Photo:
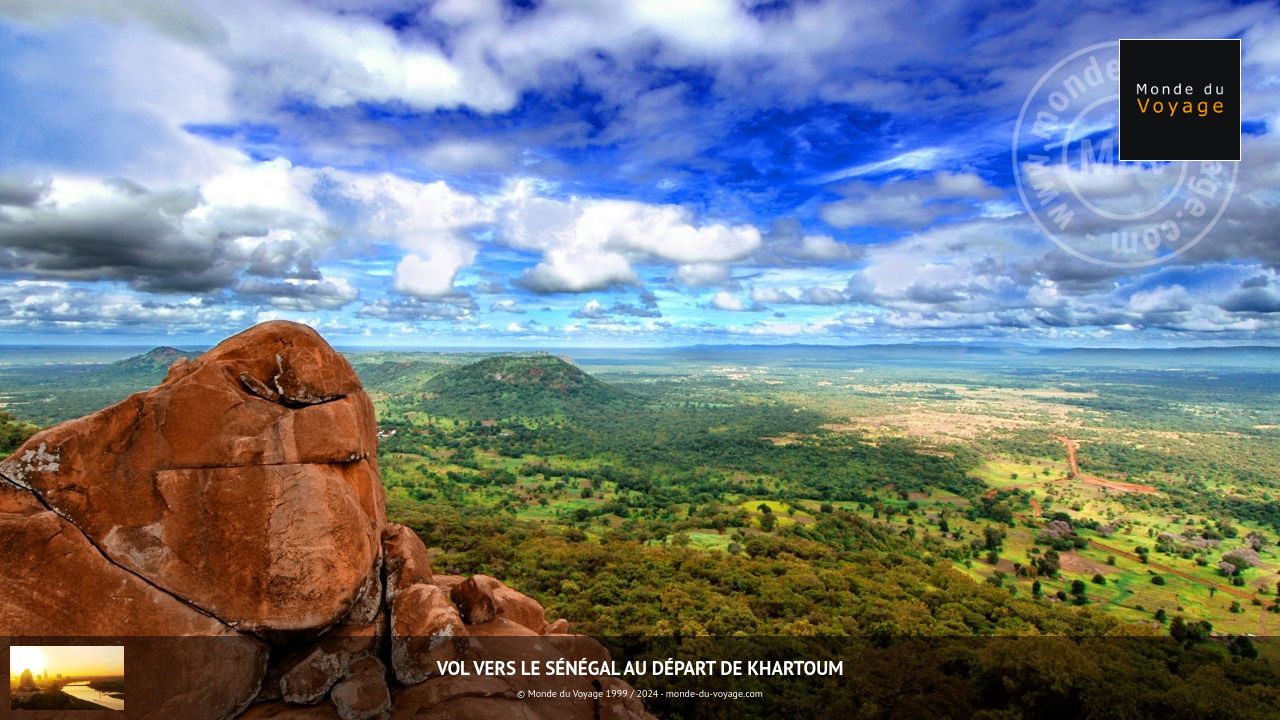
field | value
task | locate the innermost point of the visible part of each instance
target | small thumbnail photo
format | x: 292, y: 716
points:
x: 66, y: 677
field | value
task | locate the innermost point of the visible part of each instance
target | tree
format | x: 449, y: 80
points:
x: 1242, y: 646
x: 1098, y: 579
x: 1157, y: 580
x: 1189, y: 633
x: 768, y: 521
x: 992, y: 538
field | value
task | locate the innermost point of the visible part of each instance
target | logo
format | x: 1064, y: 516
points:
x: 1082, y: 196
x: 1180, y: 100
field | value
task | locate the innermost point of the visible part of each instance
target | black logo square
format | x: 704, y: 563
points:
x: 1179, y: 100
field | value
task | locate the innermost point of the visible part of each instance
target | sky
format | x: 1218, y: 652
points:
x: 590, y: 173
x: 66, y: 660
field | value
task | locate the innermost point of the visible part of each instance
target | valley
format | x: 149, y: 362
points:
x: 795, y: 491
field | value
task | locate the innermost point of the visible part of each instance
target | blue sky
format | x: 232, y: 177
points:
x: 592, y: 173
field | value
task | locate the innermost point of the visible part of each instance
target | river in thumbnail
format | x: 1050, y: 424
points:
x: 84, y: 692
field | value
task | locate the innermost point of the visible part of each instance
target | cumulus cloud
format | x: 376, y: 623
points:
x: 430, y: 220
x: 909, y: 203
x: 254, y: 218
x: 431, y: 274
x: 563, y: 270
x: 1253, y: 300
x: 818, y: 295
x: 724, y: 300
x: 697, y: 275
x: 589, y: 244
x: 156, y: 96
x: 812, y: 295
x: 595, y: 310
x: 54, y: 306
x: 773, y: 296
x: 412, y: 309
x: 463, y: 156
x: 787, y: 245
x: 299, y: 294
x: 506, y: 305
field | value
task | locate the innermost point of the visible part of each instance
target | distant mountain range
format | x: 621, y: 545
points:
x: 541, y: 384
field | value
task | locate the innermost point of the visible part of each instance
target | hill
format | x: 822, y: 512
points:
x: 143, y: 370
x: 519, y: 385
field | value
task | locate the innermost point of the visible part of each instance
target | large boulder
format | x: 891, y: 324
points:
x: 363, y: 693
x: 425, y: 629
x: 481, y: 598
x: 245, y: 484
x: 407, y: 560
x: 57, y: 585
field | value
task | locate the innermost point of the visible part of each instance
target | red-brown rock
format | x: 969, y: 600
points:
x: 283, y: 711
x: 447, y: 582
x: 309, y: 680
x: 425, y: 628
x: 246, y: 483
x: 517, y: 697
x: 56, y: 584
x: 407, y: 560
x: 579, y: 647
x: 481, y: 598
x: 363, y: 692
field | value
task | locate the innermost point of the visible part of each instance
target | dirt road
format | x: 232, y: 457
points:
x: 1172, y: 571
x: 1116, y: 485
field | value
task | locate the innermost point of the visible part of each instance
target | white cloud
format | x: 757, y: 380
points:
x: 251, y: 217
x: 919, y: 159
x: 727, y: 301
x: 771, y: 296
x: 909, y: 203
x: 696, y: 275
x: 589, y: 244
x: 431, y: 274
x: 1173, y: 298
x: 37, y: 305
x: 464, y: 156
x: 591, y: 309
x: 564, y: 270
x: 427, y: 219
x: 299, y: 293
x: 505, y: 305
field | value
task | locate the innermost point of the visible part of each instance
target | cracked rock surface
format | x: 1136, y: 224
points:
x: 229, y: 528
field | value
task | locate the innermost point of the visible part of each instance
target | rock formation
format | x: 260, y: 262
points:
x: 228, y: 526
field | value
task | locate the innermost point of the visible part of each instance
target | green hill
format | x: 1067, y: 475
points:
x: 145, y: 370
x: 519, y: 385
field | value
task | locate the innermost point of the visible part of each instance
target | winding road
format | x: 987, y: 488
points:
x: 1097, y: 481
